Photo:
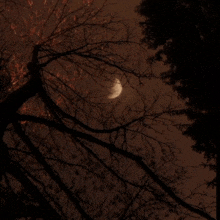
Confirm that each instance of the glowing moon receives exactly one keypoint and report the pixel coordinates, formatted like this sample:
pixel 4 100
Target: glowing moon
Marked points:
pixel 116 89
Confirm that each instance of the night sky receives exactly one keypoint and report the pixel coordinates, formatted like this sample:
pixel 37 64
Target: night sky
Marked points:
pixel 187 157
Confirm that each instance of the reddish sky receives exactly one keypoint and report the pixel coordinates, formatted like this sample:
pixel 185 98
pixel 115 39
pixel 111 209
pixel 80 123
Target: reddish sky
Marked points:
pixel 187 157
pixel 125 9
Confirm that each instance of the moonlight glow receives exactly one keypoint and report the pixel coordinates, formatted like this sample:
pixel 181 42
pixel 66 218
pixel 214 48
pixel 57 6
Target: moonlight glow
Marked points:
pixel 116 89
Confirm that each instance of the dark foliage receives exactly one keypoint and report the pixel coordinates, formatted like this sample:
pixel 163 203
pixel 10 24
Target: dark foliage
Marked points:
pixel 189 33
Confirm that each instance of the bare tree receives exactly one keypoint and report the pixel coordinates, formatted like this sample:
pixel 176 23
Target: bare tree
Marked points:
pixel 68 152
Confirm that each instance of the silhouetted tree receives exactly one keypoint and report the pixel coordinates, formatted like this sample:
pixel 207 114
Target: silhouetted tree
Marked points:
pixel 188 30
pixel 70 152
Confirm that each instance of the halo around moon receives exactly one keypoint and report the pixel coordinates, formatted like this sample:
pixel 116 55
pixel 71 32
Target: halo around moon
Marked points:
pixel 116 89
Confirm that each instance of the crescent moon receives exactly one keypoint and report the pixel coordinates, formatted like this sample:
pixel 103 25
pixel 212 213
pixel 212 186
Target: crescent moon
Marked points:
pixel 116 89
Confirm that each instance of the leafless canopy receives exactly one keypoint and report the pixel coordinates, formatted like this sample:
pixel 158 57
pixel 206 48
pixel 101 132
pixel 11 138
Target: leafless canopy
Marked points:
pixel 68 152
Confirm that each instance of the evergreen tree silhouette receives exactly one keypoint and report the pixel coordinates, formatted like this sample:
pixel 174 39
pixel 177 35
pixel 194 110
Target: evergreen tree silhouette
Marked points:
pixel 188 30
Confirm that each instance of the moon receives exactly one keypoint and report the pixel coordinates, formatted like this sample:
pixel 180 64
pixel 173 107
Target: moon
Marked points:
pixel 116 89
